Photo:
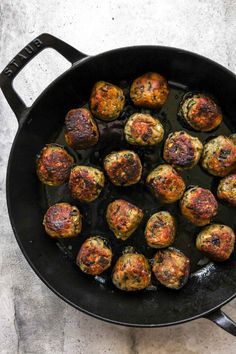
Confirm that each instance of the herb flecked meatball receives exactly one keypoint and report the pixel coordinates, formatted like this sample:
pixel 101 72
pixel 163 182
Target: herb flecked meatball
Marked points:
pixel 199 206
pixel 62 220
pixel 160 230
pixel 216 242
pixel 149 90
pixel 200 112
pixel 171 268
pixel 86 183
pixel 182 150
pixel 166 184
pixel 123 218
pixel 94 256
pixel 81 131
pixel 143 129
pixel 54 165
pixel 131 272
pixel 227 189
pixel 106 101
pixel 219 156
pixel 123 168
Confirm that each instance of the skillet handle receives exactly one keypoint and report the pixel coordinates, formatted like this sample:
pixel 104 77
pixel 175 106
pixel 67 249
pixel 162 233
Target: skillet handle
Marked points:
pixel 223 321
pixel 7 76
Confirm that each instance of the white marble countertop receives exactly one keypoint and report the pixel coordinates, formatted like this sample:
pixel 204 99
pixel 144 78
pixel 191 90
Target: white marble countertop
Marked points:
pixel 32 318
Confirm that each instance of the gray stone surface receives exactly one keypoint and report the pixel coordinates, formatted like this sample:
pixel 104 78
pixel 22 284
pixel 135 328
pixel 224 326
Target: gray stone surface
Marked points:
pixel 32 318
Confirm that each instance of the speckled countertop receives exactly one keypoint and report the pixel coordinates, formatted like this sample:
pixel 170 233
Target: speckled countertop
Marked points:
pixel 32 318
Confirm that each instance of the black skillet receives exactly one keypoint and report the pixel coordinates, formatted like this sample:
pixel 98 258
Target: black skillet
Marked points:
pixel 211 285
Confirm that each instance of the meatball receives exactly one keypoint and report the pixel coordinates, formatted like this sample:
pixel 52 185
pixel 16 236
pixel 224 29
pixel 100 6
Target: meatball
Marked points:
pixel 199 206
pixel 123 167
pixel 123 218
pixel 54 165
pixel 131 272
pixel 182 150
pixel 94 256
pixel 81 131
pixel 219 156
pixel 160 230
pixel 143 129
pixel 86 183
pixel 62 220
pixel 171 268
pixel 227 189
pixel 200 112
pixel 149 90
pixel 216 242
pixel 166 184
pixel 106 101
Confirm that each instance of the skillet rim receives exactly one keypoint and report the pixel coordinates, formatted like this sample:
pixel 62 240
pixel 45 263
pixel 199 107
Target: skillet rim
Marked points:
pixel 22 123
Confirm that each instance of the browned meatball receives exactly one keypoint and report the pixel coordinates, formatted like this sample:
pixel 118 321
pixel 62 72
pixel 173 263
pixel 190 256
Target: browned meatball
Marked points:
pixel 62 220
pixel 166 184
pixel 199 206
pixel 149 90
pixel 131 272
pixel 123 167
pixel 106 101
pixel 94 256
pixel 182 150
pixel 160 230
pixel 219 156
pixel 54 165
pixel 86 183
pixel 171 268
pixel 123 218
pixel 216 242
pixel 200 112
pixel 227 189
pixel 81 131
pixel 143 129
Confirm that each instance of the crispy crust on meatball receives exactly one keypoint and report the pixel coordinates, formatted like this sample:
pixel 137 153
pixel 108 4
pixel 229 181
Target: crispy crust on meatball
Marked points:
pixel 106 101
pixel 216 242
pixel 123 168
pixel 166 184
pixel 143 129
pixel 227 189
pixel 160 230
pixel 171 268
pixel 131 272
pixel 123 218
pixel 62 220
pixel 182 150
pixel 86 183
pixel 200 112
pixel 219 156
pixel 199 206
pixel 81 131
pixel 54 165
pixel 94 256
pixel 149 90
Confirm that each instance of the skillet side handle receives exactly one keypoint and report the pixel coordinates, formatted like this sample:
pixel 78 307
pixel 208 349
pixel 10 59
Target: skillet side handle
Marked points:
pixel 223 321
pixel 38 44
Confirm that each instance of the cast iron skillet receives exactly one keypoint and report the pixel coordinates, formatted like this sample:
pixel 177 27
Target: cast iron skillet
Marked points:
pixel 211 285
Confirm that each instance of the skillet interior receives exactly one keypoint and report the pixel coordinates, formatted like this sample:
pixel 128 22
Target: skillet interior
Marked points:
pixel 210 285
